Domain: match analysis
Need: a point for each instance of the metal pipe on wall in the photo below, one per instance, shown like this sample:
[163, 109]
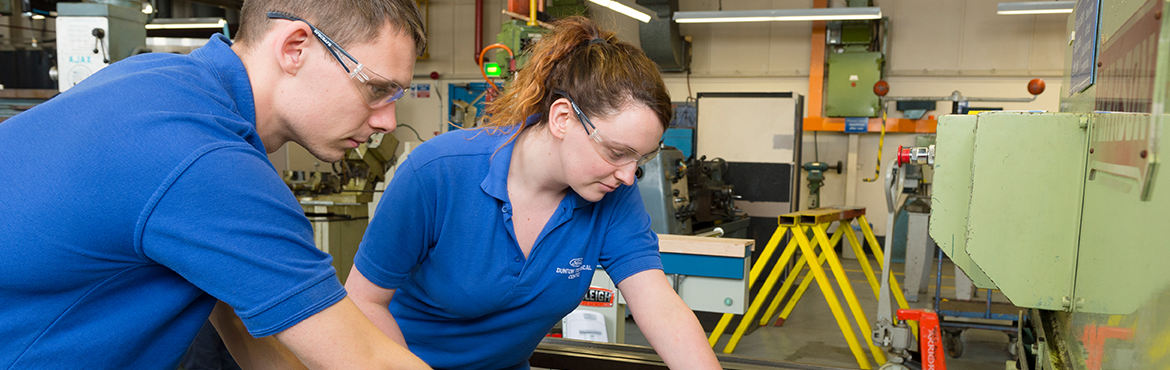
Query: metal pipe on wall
[478, 30]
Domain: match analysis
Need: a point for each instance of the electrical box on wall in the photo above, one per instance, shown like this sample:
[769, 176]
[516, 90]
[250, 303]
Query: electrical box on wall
[849, 89]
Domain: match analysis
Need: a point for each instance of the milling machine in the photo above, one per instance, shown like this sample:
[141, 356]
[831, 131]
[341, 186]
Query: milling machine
[336, 202]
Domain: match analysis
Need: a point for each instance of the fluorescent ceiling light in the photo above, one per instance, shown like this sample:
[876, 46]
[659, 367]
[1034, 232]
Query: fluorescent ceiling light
[1036, 7]
[776, 15]
[642, 14]
[186, 23]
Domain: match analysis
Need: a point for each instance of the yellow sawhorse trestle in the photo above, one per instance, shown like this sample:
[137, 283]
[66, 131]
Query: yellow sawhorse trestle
[799, 225]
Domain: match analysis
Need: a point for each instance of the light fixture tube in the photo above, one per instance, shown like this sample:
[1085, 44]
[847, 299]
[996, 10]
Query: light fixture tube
[780, 15]
[624, 9]
[1036, 7]
[160, 24]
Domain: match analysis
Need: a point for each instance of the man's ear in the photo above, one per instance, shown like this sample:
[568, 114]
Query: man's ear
[560, 116]
[291, 46]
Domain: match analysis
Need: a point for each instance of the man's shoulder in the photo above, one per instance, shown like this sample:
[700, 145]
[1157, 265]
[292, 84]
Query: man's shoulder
[212, 74]
[148, 69]
[165, 92]
[154, 84]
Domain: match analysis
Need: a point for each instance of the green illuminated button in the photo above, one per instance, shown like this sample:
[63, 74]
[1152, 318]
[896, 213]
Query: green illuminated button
[491, 69]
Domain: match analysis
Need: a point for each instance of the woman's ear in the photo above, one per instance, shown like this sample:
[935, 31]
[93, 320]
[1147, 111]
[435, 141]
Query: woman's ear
[560, 116]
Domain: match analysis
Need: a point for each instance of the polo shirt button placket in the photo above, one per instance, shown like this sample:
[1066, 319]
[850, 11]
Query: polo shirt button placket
[517, 259]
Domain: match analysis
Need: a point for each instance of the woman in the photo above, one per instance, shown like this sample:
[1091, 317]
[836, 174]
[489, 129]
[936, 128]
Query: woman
[486, 238]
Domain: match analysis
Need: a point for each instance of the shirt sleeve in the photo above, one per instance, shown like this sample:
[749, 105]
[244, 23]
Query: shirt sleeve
[228, 224]
[629, 246]
[401, 231]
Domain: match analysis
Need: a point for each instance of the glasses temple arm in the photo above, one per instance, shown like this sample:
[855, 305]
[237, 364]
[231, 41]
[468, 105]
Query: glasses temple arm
[329, 43]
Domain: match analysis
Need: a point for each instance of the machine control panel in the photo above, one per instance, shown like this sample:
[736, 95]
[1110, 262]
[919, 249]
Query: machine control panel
[83, 48]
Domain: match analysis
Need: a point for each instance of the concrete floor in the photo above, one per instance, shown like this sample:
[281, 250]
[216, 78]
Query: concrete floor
[811, 335]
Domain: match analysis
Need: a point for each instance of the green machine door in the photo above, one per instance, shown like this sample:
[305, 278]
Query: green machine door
[951, 194]
[1024, 206]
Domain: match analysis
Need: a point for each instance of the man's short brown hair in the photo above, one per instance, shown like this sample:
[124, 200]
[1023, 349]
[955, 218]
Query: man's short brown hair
[347, 22]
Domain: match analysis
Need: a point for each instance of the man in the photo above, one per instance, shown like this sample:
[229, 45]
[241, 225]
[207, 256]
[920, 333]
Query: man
[134, 201]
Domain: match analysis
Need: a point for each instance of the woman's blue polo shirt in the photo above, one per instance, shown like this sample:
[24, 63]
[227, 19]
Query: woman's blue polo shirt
[466, 296]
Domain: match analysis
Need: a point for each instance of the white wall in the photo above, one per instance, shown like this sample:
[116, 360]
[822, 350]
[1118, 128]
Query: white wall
[935, 47]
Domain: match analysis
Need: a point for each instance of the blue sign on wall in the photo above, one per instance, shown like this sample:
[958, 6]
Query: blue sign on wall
[856, 125]
[1084, 58]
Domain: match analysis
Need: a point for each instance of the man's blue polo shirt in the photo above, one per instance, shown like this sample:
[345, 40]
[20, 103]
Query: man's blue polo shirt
[443, 237]
[131, 202]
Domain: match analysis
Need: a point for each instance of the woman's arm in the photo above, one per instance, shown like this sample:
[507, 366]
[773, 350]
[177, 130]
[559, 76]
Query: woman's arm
[667, 322]
[372, 300]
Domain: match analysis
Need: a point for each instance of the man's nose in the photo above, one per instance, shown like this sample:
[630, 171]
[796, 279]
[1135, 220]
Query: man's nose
[383, 120]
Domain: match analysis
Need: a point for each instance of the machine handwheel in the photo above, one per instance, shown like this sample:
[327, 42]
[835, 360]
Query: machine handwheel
[953, 343]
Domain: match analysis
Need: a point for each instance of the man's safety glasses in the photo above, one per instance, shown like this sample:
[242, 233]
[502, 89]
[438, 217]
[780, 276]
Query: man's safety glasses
[378, 91]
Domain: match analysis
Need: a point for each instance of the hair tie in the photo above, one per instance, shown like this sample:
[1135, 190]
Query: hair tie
[596, 40]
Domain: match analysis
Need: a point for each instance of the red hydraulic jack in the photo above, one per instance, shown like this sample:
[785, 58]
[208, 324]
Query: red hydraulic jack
[930, 338]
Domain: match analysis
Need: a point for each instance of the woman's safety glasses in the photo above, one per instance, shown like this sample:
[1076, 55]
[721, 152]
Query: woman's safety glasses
[613, 152]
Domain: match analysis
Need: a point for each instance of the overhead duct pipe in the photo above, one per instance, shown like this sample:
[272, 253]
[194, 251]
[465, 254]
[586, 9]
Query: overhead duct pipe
[660, 37]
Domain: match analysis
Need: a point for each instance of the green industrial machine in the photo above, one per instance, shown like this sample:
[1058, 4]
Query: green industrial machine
[518, 36]
[1066, 213]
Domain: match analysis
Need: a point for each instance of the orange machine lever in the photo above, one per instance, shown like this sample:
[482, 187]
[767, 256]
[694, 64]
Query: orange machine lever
[930, 337]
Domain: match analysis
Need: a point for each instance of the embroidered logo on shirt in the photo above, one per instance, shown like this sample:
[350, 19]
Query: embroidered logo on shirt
[576, 265]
